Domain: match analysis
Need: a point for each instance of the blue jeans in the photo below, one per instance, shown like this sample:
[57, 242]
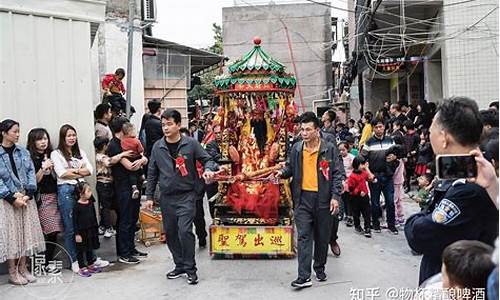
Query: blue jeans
[66, 201]
[384, 185]
[492, 286]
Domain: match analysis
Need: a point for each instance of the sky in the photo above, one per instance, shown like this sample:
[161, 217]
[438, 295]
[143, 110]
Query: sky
[189, 22]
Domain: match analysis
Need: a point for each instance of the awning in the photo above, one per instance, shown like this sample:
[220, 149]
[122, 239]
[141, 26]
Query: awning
[200, 59]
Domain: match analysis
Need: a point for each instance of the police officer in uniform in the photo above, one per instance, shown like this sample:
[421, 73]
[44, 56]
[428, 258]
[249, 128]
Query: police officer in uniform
[460, 210]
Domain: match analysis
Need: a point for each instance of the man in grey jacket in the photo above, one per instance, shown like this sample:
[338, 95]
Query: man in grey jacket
[316, 186]
[173, 165]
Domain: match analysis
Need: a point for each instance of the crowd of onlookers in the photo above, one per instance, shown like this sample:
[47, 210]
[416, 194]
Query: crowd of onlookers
[55, 178]
[44, 194]
[402, 130]
[389, 152]
[392, 151]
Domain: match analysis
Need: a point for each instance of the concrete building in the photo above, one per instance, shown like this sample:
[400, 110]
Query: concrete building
[468, 50]
[160, 69]
[168, 67]
[46, 75]
[436, 50]
[46, 78]
[339, 51]
[309, 29]
[112, 51]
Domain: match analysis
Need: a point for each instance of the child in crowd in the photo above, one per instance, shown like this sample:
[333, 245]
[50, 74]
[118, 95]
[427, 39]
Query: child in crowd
[412, 141]
[399, 178]
[352, 128]
[86, 233]
[466, 265]
[358, 192]
[104, 186]
[464, 273]
[352, 145]
[397, 129]
[132, 143]
[491, 153]
[424, 189]
[345, 205]
[424, 154]
[342, 132]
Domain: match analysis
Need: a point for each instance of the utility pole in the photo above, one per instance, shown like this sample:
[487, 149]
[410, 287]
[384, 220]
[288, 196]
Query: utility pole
[131, 17]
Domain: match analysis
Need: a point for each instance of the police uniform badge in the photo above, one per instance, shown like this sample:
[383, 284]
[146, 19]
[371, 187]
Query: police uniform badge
[445, 212]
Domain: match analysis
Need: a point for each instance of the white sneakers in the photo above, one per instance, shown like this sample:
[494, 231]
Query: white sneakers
[101, 263]
[103, 231]
[75, 267]
[109, 233]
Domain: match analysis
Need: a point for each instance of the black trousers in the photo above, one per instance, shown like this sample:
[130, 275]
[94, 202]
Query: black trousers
[199, 218]
[106, 195]
[346, 205]
[85, 258]
[409, 173]
[128, 215]
[361, 205]
[345, 198]
[335, 228]
[178, 212]
[314, 222]
[50, 245]
[118, 103]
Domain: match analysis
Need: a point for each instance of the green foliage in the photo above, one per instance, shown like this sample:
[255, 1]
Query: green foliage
[217, 46]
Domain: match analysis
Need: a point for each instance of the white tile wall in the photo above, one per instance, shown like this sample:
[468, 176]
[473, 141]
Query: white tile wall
[470, 57]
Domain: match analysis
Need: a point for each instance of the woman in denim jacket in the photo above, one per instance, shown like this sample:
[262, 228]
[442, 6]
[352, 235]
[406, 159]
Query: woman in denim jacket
[20, 230]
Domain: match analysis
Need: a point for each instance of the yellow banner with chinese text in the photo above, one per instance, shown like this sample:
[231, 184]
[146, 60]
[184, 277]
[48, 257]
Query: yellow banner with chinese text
[270, 240]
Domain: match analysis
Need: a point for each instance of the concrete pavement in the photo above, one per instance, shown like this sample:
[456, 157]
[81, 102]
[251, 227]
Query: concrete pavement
[372, 265]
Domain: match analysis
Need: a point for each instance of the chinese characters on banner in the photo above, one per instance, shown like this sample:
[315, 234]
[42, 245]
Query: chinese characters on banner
[252, 240]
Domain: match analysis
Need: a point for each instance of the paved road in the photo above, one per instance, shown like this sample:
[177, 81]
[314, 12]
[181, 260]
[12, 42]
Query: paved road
[371, 265]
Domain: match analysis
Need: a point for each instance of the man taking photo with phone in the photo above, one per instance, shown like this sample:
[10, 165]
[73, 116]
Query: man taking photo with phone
[459, 210]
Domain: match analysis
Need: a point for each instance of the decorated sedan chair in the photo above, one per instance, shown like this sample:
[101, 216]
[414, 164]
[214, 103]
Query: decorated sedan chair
[253, 210]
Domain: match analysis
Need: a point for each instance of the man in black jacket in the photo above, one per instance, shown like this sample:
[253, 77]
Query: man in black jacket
[128, 208]
[316, 187]
[329, 136]
[152, 127]
[173, 165]
[382, 164]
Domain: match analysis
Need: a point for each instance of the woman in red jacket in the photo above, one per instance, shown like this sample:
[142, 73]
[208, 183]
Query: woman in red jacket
[357, 184]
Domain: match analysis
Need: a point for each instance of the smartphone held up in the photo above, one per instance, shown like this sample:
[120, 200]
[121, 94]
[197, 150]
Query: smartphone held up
[456, 166]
